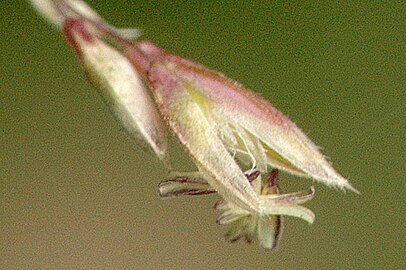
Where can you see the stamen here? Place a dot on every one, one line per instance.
(273, 178)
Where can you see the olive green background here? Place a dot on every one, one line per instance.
(77, 193)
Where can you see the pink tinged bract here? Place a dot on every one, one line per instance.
(196, 132)
(123, 89)
(249, 127)
(200, 139)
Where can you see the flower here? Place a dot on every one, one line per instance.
(224, 127)
(219, 122)
(267, 229)
(254, 131)
(123, 89)
(109, 71)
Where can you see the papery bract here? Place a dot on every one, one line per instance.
(200, 138)
(123, 89)
(189, 114)
(250, 127)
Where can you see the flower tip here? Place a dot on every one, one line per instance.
(308, 217)
(333, 179)
(343, 184)
(129, 33)
(349, 187)
(48, 10)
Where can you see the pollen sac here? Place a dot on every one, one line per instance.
(109, 71)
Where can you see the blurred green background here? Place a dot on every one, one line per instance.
(76, 193)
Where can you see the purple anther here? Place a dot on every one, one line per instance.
(252, 175)
(273, 178)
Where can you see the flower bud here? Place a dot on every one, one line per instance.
(123, 89)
